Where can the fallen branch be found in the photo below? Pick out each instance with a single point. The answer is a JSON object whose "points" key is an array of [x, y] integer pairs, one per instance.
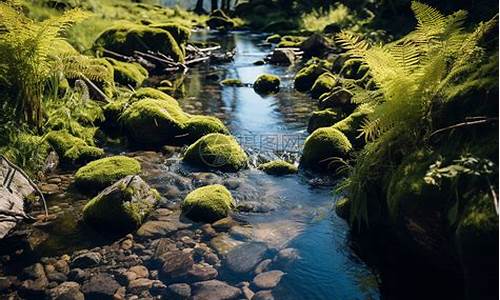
{"points": [[478, 121]]}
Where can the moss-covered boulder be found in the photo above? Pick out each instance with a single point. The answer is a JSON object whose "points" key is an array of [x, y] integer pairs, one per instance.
{"points": [[278, 167], [267, 84], [148, 92], [81, 154], [290, 41], [154, 122], [106, 84], [324, 84], [217, 151], [127, 74], [72, 149], [323, 118], [323, 147], [208, 204], [121, 206], [275, 38], [180, 33], [125, 38], [339, 98], [199, 126], [351, 125], [306, 77], [231, 82], [219, 20], [343, 208], [102, 173]]}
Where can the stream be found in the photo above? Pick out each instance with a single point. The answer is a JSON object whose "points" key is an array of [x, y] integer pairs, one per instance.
{"points": [[294, 211]]}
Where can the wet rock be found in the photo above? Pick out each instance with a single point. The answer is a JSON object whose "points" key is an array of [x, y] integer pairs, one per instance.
{"points": [[222, 244], [283, 56], [57, 277], [100, 287], [33, 289], [262, 266], [67, 291], [244, 258], [208, 231], [179, 291], [77, 275], [127, 244], [247, 292], [211, 258], [162, 246], [241, 233], [287, 255], [168, 225], [140, 271], [176, 264], [125, 278], [214, 290], [139, 285], [200, 272], [224, 224], [263, 295], [315, 46], [34, 272], [86, 260], [268, 280], [62, 266], [255, 207]]}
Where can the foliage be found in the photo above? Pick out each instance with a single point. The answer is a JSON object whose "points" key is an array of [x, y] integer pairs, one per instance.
{"points": [[413, 75], [317, 20]]}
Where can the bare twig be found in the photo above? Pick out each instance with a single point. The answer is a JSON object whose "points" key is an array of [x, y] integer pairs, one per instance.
{"points": [[465, 124]]}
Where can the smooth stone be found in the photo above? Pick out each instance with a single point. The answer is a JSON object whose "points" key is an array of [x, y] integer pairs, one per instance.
{"points": [[127, 244], [263, 266], [62, 266], [34, 272], [179, 291], [241, 233], [222, 244], [268, 280], [100, 287], [214, 290], [263, 295], [224, 224], [247, 292], [33, 289], [201, 272], [69, 290], [139, 285], [140, 271], [287, 255], [77, 275], [176, 263], [158, 229], [86, 260], [57, 277], [244, 258], [126, 277]]}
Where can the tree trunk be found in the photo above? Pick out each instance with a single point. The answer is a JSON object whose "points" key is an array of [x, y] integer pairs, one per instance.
{"points": [[199, 7], [215, 5]]}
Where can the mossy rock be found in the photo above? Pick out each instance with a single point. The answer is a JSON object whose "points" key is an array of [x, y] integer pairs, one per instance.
{"points": [[127, 74], [343, 208], [61, 47], [220, 23], [122, 206], [275, 38], [154, 122], [199, 126], [125, 38], [112, 112], [71, 149], [217, 151], [107, 84], [323, 118], [148, 92], [102, 173], [306, 77], [339, 98], [324, 84], [267, 84], [62, 141], [278, 167], [208, 204], [180, 33], [231, 82], [351, 125], [81, 154], [323, 147]]}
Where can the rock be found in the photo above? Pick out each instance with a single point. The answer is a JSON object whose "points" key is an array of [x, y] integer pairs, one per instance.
{"points": [[325, 83], [283, 56], [5, 284], [208, 230], [100, 287], [339, 98], [179, 291], [199, 126], [125, 38], [126, 277], [33, 289], [322, 146], [57, 277], [278, 167], [315, 46], [225, 224], [34, 272], [67, 291], [128, 74], [211, 258], [343, 207], [208, 204], [139, 285], [165, 227], [351, 125], [306, 77], [242, 233], [127, 244], [104, 172], [72, 149], [77, 275], [231, 82], [223, 244], [62, 266], [275, 38], [219, 20], [86, 260], [201, 272], [268, 280], [140, 271], [247, 292], [287, 255], [122, 206], [267, 84], [217, 151], [263, 266], [214, 290], [176, 264], [263, 295], [323, 118], [244, 258]]}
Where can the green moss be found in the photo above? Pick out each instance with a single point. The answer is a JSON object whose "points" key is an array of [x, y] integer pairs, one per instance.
{"points": [[289, 44], [180, 33], [127, 74], [351, 125], [208, 204], [199, 126], [148, 92], [231, 82], [324, 84], [154, 122], [125, 38], [108, 85], [62, 47], [113, 110], [323, 147], [266, 84], [220, 23], [121, 207], [323, 118], [104, 172], [275, 38], [278, 167], [217, 151], [63, 141], [306, 77], [343, 207], [80, 154]]}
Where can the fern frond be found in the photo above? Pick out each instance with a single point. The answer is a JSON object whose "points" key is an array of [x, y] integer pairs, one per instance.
{"points": [[430, 22], [354, 44]]}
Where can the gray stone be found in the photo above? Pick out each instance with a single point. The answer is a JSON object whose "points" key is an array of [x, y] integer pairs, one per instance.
{"points": [[139, 285], [100, 287], [69, 290], [283, 56], [263, 295], [244, 258], [179, 291], [201, 272], [86, 260], [176, 263], [263, 266], [214, 290], [268, 280], [77, 275]]}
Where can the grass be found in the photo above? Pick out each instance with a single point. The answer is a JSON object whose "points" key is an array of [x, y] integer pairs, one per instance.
{"points": [[317, 21]]}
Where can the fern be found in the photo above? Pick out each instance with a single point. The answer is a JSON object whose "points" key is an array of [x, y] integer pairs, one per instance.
{"points": [[26, 58]]}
